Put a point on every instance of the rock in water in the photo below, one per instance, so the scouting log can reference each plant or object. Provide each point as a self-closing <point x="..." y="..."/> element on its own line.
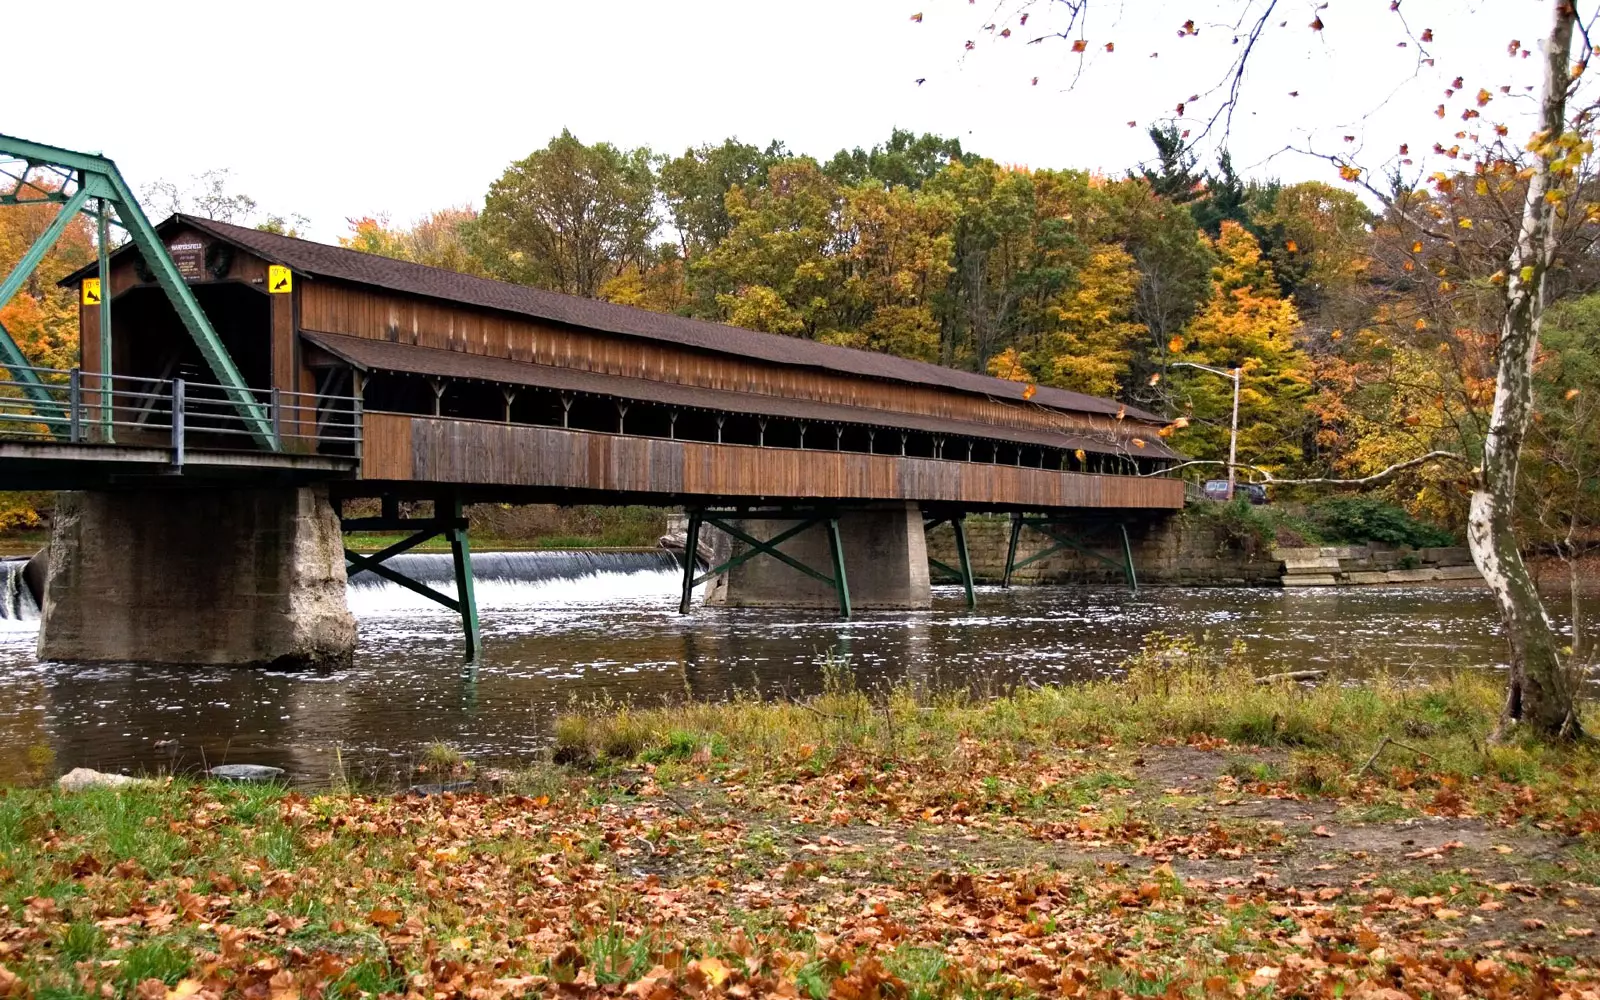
<point x="245" y="772"/>
<point x="79" y="778"/>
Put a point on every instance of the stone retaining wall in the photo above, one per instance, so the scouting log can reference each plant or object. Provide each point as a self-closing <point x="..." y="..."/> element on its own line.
<point x="1335" y="565"/>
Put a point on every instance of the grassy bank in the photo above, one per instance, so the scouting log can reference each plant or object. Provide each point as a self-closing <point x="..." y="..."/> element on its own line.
<point x="1187" y="832"/>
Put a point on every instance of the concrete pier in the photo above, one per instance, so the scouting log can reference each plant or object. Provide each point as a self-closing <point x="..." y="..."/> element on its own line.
<point x="224" y="576"/>
<point x="885" y="558"/>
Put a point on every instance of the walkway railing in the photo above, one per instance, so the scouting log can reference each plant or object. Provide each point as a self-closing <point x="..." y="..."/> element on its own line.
<point x="85" y="408"/>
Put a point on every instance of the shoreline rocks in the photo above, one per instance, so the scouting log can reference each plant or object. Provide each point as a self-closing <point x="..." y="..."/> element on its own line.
<point x="80" y="778"/>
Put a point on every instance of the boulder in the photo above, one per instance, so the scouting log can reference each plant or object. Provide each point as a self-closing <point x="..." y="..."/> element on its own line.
<point x="79" y="778"/>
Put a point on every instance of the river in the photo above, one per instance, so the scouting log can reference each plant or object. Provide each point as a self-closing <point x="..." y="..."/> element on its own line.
<point x="566" y="628"/>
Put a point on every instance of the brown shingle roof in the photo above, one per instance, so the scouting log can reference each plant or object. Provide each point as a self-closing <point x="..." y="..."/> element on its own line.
<point x="322" y="260"/>
<point x="381" y="355"/>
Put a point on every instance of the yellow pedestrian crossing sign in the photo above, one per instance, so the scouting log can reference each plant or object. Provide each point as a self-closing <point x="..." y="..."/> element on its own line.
<point x="279" y="279"/>
<point x="91" y="291"/>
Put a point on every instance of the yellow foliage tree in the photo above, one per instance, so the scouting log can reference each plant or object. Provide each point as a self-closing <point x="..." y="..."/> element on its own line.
<point x="42" y="317"/>
<point x="1093" y="345"/>
<point x="1246" y="324"/>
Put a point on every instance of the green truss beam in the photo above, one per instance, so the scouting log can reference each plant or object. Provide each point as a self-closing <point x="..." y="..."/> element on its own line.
<point x="98" y="177"/>
<point x="757" y="547"/>
<point x="1053" y="529"/>
<point x="450" y="521"/>
<point x="963" y="576"/>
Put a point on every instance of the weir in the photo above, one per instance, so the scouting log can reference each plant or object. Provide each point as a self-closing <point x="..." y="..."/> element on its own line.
<point x="17" y="602"/>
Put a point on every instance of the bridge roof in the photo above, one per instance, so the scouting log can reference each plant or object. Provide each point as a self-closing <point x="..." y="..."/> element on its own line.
<point x="381" y="355"/>
<point x="322" y="260"/>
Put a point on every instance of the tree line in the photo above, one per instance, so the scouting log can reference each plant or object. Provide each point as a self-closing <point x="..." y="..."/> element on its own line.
<point x="1363" y="338"/>
<point x="1357" y="347"/>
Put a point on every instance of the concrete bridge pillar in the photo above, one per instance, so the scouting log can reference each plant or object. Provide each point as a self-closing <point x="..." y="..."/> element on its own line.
<point x="226" y="576"/>
<point x="885" y="561"/>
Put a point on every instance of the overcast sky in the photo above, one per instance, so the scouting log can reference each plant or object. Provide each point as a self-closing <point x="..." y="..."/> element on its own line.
<point x="343" y="108"/>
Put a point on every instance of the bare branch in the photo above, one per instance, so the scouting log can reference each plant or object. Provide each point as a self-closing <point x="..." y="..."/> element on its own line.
<point x="1376" y="479"/>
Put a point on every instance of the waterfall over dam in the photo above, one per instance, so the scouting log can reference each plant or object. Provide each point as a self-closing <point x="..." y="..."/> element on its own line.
<point x="16" y="598"/>
<point x="510" y="579"/>
<point x="503" y="578"/>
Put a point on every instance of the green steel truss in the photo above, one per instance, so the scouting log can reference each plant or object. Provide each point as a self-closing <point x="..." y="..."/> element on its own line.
<point x="32" y="173"/>
<point x="448" y="520"/>
<point x="963" y="575"/>
<point x="1055" y="528"/>
<point x="804" y="519"/>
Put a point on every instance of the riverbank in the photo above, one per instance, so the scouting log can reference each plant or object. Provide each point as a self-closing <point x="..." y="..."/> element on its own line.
<point x="1186" y="832"/>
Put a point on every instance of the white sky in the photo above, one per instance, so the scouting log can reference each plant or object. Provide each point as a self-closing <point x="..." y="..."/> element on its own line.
<point x="347" y="108"/>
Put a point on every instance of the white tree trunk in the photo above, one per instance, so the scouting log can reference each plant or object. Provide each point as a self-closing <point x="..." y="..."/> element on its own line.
<point x="1540" y="694"/>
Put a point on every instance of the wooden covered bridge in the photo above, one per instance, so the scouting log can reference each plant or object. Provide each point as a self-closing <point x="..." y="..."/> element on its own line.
<point x="378" y="378"/>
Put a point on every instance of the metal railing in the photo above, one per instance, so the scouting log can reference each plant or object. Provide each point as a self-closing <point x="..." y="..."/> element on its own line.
<point x="88" y="408"/>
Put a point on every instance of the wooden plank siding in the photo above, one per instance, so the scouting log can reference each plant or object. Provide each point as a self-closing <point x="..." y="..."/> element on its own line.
<point x="338" y="308"/>
<point x="400" y="447"/>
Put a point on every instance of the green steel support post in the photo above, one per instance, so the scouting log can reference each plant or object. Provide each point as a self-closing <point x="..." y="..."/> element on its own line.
<point x="1127" y="552"/>
<point x="461" y="555"/>
<point x="959" y="524"/>
<point x="103" y="226"/>
<point x="1011" y="551"/>
<point x="691" y="552"/>
<point x="841" y="584"/>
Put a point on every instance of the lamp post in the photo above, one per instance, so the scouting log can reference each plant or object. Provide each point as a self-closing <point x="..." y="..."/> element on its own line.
<point x="1233" y="431"/>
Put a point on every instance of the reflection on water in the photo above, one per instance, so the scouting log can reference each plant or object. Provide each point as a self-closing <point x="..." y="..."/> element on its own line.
<point x="617" y="633"/>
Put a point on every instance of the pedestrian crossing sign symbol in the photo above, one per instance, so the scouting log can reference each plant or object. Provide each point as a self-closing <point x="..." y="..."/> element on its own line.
<point x="279" y="279"/>
<point x="91" y="291"/>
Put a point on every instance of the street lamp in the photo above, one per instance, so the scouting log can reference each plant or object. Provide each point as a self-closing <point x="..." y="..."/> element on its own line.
<point x="1233" y="432"/>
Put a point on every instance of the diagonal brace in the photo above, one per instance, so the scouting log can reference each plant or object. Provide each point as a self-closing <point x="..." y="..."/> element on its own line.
<point x="758" y="547"/>
<point x="1063" y="540"/>
<point x="356" y="563"/>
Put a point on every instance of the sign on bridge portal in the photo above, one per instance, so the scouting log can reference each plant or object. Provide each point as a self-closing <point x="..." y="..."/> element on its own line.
<point x="91" y="291"/>
<point x="279" y="279"/>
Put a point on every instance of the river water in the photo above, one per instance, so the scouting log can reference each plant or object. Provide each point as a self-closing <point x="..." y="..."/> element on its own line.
<point x="566" y="628"/>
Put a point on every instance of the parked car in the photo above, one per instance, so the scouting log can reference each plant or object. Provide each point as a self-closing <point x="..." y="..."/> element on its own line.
<point x="1217" y="489"/>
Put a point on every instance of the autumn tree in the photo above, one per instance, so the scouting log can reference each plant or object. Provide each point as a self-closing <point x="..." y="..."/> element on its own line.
<point x="993" y="222"/>
<point x="906" y="160"/>
<point x="440" y="239"/>
<point x="1247" y="325"/>
<point x="897" y="259"/>
<point x="568" y="217"/>
<point x="1091" y="347"/>
<point x="780" y="264"/>
<point x="42" y="317"/>
<point x="695" y="187"/>
<point x="211" y="194"/>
